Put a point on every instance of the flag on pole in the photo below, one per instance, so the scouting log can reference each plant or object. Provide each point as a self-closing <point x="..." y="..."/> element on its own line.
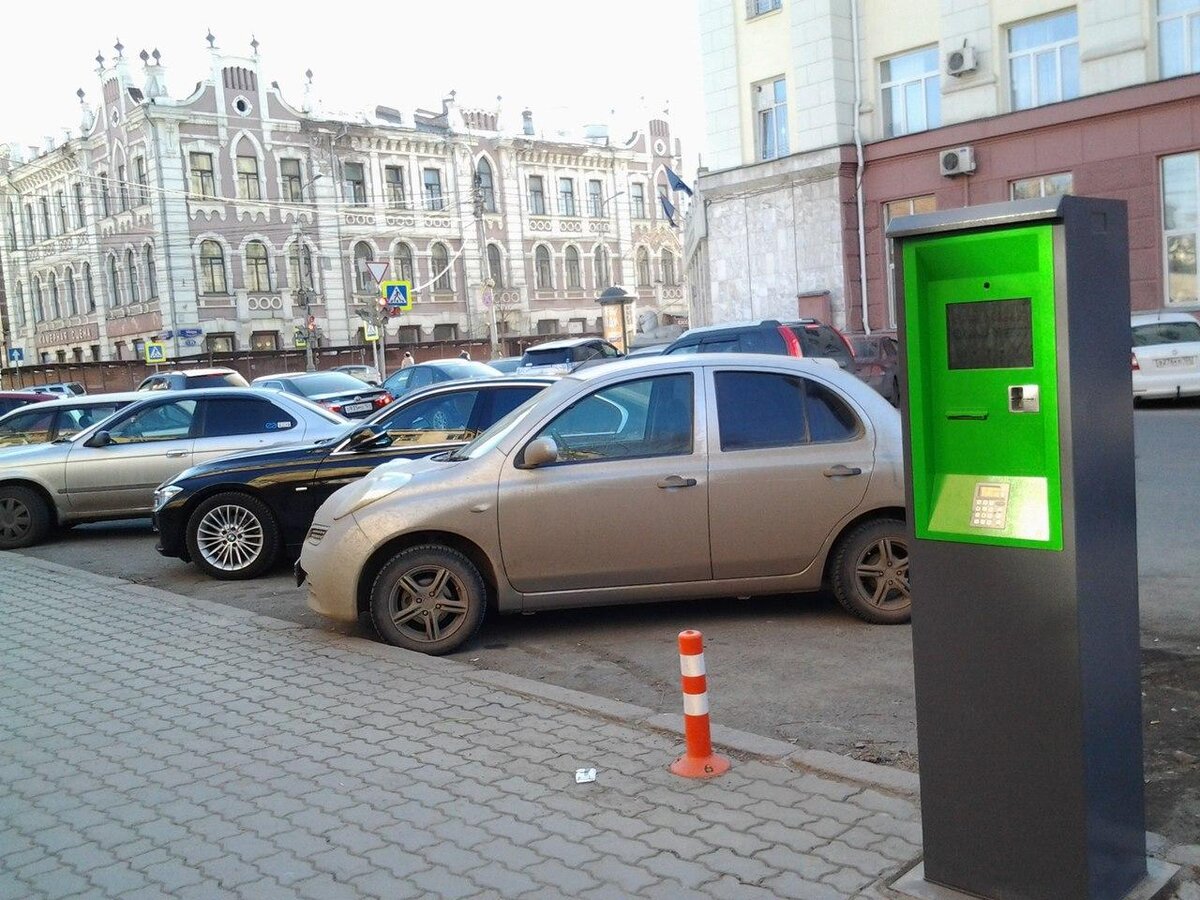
<point x="677" y="183"/>
<point x="668" y="209"/>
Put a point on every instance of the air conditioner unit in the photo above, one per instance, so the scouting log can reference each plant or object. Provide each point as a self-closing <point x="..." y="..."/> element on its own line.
<point x="959" y="161"/>
<point x="961" y="62"/>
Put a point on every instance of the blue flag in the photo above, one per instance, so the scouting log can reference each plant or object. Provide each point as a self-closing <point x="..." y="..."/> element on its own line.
<point x="676" y="182"/>
<point x="668" y="209"/>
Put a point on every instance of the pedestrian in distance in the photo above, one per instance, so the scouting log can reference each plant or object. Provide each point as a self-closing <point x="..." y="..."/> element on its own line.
<point x="464" y="355"/>
<point x="408" y="360"/>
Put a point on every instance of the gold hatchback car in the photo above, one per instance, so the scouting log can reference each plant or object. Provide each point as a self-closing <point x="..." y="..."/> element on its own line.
<point x="720" y="475"/>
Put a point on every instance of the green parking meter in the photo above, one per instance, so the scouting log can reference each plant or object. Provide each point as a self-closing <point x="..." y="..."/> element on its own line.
<point x="1018" y="430"/>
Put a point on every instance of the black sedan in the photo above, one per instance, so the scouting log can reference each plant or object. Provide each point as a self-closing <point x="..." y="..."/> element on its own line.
<point x="234" y="516"/>
<point x="336" y="391"/>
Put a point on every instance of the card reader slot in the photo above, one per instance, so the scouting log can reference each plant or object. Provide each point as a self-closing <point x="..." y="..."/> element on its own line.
<point x="976" y="415"/>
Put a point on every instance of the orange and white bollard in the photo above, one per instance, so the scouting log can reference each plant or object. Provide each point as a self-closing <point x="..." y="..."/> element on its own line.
<point x="698" y="761"/>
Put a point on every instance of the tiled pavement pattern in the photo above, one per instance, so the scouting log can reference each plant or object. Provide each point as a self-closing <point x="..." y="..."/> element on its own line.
<point x="153" y="746"/>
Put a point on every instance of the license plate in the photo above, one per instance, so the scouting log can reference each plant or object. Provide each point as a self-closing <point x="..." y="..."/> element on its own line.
<point x="1175" y="362"/>
<point x="358" y="407"/>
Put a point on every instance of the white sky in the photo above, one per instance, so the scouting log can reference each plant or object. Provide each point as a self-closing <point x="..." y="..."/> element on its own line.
<point x="570" y="61"/>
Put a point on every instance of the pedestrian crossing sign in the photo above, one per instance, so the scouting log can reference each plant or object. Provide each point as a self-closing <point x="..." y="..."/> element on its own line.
<point x="398" y="295"/>
<point x="155" y="352"/>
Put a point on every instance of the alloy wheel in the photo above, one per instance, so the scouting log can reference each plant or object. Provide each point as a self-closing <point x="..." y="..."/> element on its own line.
<point x="427" y="603"/>
<point x="229" y="537"/>
<point x="882" y="573"/>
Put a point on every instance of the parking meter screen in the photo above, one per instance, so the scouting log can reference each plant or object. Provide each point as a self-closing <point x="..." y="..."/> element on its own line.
<point x="990" y="334"/>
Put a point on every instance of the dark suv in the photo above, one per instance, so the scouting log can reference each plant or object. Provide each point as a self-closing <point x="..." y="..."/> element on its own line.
<point x="797" y="337"/>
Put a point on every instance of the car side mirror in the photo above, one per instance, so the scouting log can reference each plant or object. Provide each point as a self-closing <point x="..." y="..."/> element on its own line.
<point x="369" y="437"/>
<point x="99" y="439"/>
<point x="541" y="452"/>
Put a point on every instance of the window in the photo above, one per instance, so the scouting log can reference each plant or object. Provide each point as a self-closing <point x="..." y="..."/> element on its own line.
<point x="668" y="267"/>
<point x="1181" y="226"/>
<point x="30" y="231"/>
<point x="757" y="410"/>
<point x="123" y="187"/>
<point x="431" y="179"/>
<point x="32" y="427"/>
<point x="132" y="274"/>
<point x="89" y="289"/>
<point x="80" y="209"/>
<point x="566" y="197"/>
<point x="300" y="270"/>
<point x="293" y="182"/>
<point x="39" y="311"/>
<point x="219" y="343"/>
<point x="439" y="264"/>
<point x="537" y="196"/>
<point x="202" y="176"/>
<point x="12" y="226"/>
<point x="244" y="415"/>
<point x="47" y="231"/>
<point x="114" y="281"/>
<point x="55" y="309"/>
<point x="433" y="421"/>
<point x="896" y="208"/>
<point x="572" y="265"/>
<point x="212" y="268"/>
<point x="139" y="167"/>
<point x="596" y="198"/>
<point x="637" y="200"/>
<point x="758" y="7"/>
<point x="486" y="185"/>
<point x="264" y="340"/>
<point x="404" y="263"/>
<point x="161" y="422"/>
<point x="258" y="271"/>
<point x="73" y="421"/>
<point x="495" y="266"/>
<point x="19" y="309"/>
<point x="643" y="267"/>
<point x="247" y="178"/>
<point x="61" y="199"/>
<point x="105" y="203"/>
<point x="1043" y="60"/>
<point x="1042" y="186"/>
<point x="1178" y="37"/>
<point x="911" y="92"/>
<point x="771" y="104"/>
<point x="393" y="177"/>
<point x="72" y="294"/>
<point x="151" y="273"/>
<point x="547" y="326"/>
<point x="644" y="417"/>
<point x="354" y="184"/>
<point x="408" y="334"/>
<point x="543" y="272"/>
<point x="364" y="283"/>
<point x="603" y="271"/>
<point x="446" y="331"/>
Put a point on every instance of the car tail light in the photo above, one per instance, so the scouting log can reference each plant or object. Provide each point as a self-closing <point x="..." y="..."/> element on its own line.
<point x="790" y="341"/>
<point x="1134" y="363"/>
<point x="383" y="400"/>
<point x="331" y="406"/>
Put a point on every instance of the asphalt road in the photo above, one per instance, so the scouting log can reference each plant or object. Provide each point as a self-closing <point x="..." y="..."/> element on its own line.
<point x="798" y="668"/>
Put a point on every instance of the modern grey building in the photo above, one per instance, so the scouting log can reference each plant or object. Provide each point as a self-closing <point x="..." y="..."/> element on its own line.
<point x="225" y="219"/>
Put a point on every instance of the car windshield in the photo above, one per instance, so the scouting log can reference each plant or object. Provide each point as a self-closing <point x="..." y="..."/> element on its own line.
<point x="327" y="383"/>
<point x="1165" y="333"/>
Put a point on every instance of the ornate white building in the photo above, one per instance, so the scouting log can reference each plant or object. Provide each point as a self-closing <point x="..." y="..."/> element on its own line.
<point x="224" y="219"/>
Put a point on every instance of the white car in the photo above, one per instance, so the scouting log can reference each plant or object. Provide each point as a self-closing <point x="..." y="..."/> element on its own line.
<point x="1166" y="356"/>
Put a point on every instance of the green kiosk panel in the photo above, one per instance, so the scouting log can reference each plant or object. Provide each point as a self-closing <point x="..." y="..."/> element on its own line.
<point x="985" y="457"/>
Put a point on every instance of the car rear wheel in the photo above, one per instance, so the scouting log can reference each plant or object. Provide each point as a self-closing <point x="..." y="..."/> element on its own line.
<point x="870" y="572"/>
<point x="233" y="536"/>
<point x="24" y="517"/>
<point x="429" y="598"/>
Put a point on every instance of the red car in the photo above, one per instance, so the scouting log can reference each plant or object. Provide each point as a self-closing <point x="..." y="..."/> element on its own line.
<point x="10" y="400"/>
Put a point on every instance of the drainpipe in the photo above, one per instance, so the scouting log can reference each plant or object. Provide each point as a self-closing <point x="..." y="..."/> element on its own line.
<point x="166" y="248"/>
<point x="860" y="165"/>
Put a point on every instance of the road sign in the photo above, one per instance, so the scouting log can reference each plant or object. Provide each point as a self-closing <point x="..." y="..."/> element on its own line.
<point x="16" y="355"/>
<point x="155" y="352"/>
<point x="370" y="332"/>
<point x="378" y="271"/>
<point x="299" y="341"/>
<point x="398" y="295"/>
<point x="191" y="332"/>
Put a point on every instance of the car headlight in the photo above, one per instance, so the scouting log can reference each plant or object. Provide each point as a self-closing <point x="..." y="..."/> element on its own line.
<point x="163" y="495"/>
<point x="365" y="492"/>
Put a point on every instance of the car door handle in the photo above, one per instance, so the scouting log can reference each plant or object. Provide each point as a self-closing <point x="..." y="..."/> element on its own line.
<point x="840" y="471"/>
<point x="176" y="454"/>
<point x="677" y="481"/>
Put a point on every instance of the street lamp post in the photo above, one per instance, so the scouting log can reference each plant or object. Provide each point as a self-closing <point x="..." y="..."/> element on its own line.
<point x="304" y="294"/>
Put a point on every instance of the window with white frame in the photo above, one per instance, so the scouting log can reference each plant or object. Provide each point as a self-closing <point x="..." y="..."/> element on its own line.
<point x="668" y="268"/>
<point x="431" y="179"/>
<point x="1041" y="186"/>
<point x="19" y="309"/>
<point x="293" y="181"/>
<point x="30" y="231"/>
<point x="1181" y="227"/>
<point x="72" y="294"/>
<point x="105" y="204"/>
<point x="258" y="269"/>
<point x="911" y="94"/>
<point x="770" y="104"/>
<point x="603" y="271"/>
<point x="132" y="274"/>
<point x="47" y="231"/>
<point x="151" y="273"/>
<point x="39" y="311"/>
<point x="212" y="268"/>
<point x="439" y="264"/>
<point x="80" y="209"/>
<point x="247" y="178"/>
<point x="486" y="184"/>
<point x="354" y="184"/>
<point x="571" y="266"/>
<point x="364" y="282"/>
<point x="89" y="289"/>
<point x="643" y="267"/>
<point x="537" y="196"/>
<point x="637" y="200"/>
<point x="566" y="196"/>
<point x="495" y="266"/>
<point x="123" y="186"/>
<point x="300" y="268"/>
<point x="393" y="180"/>
<point x="55" y="309"/>
<point x="761" y="7"/>
<point x="1178" y="37"/>
<point x="203" y="184"/>
<point x="595" y="198"/>
<point x="542" y="269"/>
<point x="404" y="263"/>
<point x="445" y="331"/>
<point x="114" y="280"/>
<point x="1043" y="60"/>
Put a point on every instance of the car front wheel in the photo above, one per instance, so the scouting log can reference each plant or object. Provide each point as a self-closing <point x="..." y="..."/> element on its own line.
<point x="24" y="517"/>
<point x="233" y="536"/>
<point x="870" y="572"/>
<point x="428" y="598"/>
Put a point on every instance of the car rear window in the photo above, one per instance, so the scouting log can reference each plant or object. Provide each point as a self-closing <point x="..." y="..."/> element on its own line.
<point x="244" y="415"/>
<point x="823" y="341"/>
<point x="553" y="357"/>
<point x="329" y="383"/>
<point x="226" y="379"/>
<point x="1165" y="333"/>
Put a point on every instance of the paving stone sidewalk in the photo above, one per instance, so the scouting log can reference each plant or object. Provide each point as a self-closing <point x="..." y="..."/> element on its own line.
<point x="152" y="746"/>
